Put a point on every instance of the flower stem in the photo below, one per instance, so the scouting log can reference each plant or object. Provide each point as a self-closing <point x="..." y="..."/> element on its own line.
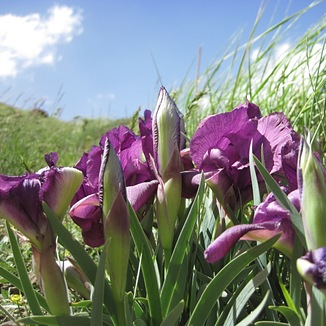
<point x="51" y="281"/>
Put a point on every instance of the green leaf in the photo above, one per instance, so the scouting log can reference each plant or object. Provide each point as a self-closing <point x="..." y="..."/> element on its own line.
<point x="98" y="295"/>
<point x="317" y="315"/>
<point x="289" y="313"/>
<point x="15" y="281"/>
<point x="23" y="275"/>
<point x="270" y="323"/>
<point x="255" y="313"/>
<point x="225" y="277"/>
<point x="82" y="304"/>
<point x="174" y="315"/>
<point x="283" y="200"/>
<point x="56" y="320"/>
<point x="147" y="266"/>
<point x="174" y="275"/>
<point x="254" y="180"/>
<point x="85" y="262"/>
<point x="231" y="312"/>
<point x="293" y="299"/>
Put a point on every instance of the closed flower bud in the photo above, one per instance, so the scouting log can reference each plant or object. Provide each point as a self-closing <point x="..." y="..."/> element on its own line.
<point x="313" y="197"/>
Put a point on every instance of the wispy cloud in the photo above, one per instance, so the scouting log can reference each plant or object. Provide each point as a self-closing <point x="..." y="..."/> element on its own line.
<point x="33" y="39"/>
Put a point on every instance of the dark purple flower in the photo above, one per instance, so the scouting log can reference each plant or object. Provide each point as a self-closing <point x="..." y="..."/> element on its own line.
<point x="220" y="148"/>
<point x="270" y="218"/>
<point x="21" y="197"/>
<point x="87" y="214"/>
<point x="20" y="206"/>
<point x="312" y="268"/>
<point x="132" y="152"/>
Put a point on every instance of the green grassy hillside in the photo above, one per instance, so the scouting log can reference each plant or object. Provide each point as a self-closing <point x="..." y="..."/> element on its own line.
<point x="27" y="135"/>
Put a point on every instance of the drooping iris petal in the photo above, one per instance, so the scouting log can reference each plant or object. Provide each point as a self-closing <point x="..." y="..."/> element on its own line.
<point x="140" y="194"/>
<point x="270" y="219"/>
<point x="190" y="183"/>
<point x="87" y="214"/>
<point x="271" y="211"/>
<point x="224" y="243"/>
<point x="21" y="207"/>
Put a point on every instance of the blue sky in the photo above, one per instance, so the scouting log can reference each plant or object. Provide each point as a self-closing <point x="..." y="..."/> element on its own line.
<point x="102" y="58"/>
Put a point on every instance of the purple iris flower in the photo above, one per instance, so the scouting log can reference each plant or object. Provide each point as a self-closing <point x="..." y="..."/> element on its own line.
<point x="20" y="205"/>
<point x="312" y="267"/>
<point x="220" y="148"/>
<point x="21" y="197"/>
<point x="270" y="218"/>
<point x="132" y="151"/>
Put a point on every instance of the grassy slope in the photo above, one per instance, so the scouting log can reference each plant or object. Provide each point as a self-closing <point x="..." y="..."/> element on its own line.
<point x="26" y="136"/>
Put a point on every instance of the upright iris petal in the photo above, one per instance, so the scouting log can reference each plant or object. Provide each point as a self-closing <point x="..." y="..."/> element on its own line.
<point x="220" y="147"/>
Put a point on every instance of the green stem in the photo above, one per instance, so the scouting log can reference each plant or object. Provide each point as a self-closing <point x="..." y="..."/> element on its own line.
<point x="51" y="281"/>
<point x="121" y="313"/>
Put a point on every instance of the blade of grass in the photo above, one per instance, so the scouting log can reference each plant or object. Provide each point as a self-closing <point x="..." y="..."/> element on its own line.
<point x="27" y="287"/>
<point x="282" y="199"/>
<point x="290" y="314"/>
<point x="180" y="250"/>
<point x="174" y="315"/>
<point x="81" y="256"/>
<point x="15" y="281"/>
<point x="231" y="312"/>
<point x="225" y="276"/>
<point x="255" y="313"/>
<point x="56" y="320"/>
<point x="98" y="294"/>
<point x="147" y="266"/>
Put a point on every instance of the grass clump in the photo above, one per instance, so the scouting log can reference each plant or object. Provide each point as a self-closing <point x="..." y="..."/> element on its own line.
<point x="275" y="74"/>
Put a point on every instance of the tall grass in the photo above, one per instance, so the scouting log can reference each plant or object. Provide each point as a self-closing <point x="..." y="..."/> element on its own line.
<point x="267" y="70"/>
<point x="291" y="81"/>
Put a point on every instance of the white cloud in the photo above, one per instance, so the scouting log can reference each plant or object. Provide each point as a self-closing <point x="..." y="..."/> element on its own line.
<point x="105" y="96"/>
<point x="33" y="39"/>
